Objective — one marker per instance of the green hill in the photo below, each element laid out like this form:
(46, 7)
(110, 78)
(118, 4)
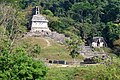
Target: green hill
(50, 49)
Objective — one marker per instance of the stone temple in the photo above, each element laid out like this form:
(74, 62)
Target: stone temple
(39, 28)
(39, 22)
(98, 42)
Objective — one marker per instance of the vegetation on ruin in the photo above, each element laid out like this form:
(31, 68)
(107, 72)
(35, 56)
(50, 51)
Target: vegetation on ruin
(78, 19)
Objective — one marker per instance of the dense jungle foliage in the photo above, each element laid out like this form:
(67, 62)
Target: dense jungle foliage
(77, 19)
(18, 66)
(82, 18)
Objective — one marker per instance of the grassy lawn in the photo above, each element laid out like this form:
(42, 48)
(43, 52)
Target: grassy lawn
(71, 73)
(96, 72)
(60, 74)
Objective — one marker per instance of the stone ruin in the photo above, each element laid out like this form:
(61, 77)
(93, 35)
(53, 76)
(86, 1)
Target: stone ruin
(53, 35)
(57, 37)
(39, 28)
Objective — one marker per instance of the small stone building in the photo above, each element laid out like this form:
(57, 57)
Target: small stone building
(39, 22)
(98, 42)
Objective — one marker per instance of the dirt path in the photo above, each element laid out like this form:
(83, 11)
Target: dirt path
(74, 65)
(48, 42)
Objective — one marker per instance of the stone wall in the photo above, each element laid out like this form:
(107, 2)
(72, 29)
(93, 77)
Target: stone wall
(53, 35)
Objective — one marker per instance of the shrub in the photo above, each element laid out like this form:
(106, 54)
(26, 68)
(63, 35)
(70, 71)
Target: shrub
(20, 67)
(37, 49)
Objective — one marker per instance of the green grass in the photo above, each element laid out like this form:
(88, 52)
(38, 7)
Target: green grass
(97, 72)
(60, 74)
(54, 51)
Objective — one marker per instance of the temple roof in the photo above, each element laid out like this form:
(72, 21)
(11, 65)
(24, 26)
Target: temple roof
(97, 38)
(39, 17)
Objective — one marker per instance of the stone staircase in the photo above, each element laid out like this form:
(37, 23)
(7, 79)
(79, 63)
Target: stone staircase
(87, 52)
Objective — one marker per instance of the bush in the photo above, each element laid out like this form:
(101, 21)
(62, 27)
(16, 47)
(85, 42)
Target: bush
(37, 49)
(20, 67)
(108, 71)
(48, 12)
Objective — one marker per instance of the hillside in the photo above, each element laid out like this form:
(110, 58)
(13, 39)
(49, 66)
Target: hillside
(82, 18)
(50, 49)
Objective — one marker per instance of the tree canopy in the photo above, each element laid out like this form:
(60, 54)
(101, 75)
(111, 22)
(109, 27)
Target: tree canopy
(19, 66)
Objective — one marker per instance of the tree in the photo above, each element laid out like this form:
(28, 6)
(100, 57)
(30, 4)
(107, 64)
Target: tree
(73, 46)
(36, 49)
(19, 66)
(116, 47)
(74, 54)
(111, 33)
(111, 11)
(13, 22)
(48, 12)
